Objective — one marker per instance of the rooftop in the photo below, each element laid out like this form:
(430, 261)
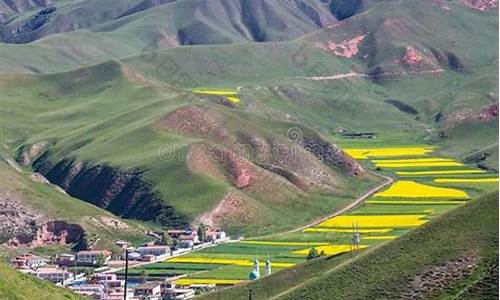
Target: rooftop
(147, 285)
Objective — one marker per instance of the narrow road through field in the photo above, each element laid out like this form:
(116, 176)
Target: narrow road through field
(388, 180)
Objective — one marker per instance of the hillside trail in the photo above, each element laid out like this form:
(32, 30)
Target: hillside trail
(388, 180)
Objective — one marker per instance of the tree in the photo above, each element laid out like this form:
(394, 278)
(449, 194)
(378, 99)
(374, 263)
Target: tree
(101, 260)
(313, 253)
(144, 275)
(167, 239)
(202, 232)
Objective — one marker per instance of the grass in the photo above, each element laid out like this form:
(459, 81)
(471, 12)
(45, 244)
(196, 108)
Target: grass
(17, 286)
(91, 102)
(386, 270)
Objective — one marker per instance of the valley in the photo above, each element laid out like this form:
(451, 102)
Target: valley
(246, 142)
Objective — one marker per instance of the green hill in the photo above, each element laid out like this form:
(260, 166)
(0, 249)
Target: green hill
(452, 257)
(17, 286)
(43, 219)
(127, 141)
(122, 118)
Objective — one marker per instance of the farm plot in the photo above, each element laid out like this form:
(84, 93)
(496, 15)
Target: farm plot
(405, 205)
(366, 153)
(412, 189)
(230, 95)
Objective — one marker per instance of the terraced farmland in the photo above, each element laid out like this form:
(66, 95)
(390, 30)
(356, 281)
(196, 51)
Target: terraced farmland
(407, 204)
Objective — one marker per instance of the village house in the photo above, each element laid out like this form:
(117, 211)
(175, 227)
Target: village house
(169, 290)
(158, 250)
(66, 259)
(176, 233)
(54, 275)
(91, 258)
(122, 244)
(102, 277)
(215, 235)
(188, 241)
(95, 291)
(149, 290)
(28, 262)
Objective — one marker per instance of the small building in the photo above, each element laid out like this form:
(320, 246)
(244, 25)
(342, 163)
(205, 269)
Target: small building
(95, 291)
(102, 277)
(66, 260)
(158, 250)
(113, 284)
(148, 258)
(169, 290)
(28, 262)
(255, 274)
(152, 290)
(54, 275)
(134, 256)
(176, 233)
(214, 235)
(122, 244)
(188, 241)
(91, 258)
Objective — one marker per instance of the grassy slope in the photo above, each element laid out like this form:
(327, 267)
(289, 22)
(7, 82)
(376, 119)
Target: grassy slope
(54, 205)
(135, 26)
(106, 95)
(112, 122)
(17, 286)
(384, 272)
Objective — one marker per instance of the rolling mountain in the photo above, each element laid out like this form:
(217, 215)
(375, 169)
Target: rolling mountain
(103, 101)
(175, 21)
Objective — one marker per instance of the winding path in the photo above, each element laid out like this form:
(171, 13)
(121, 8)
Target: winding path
(388, 180)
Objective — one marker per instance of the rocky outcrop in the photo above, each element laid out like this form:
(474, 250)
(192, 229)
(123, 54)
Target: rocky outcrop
(52, 233)
(125, 193)
(331, 155)
(17, 219)
(347, 48)
(28, 153)
(430, 283)
(417, 60)
(194, 120)
(470, 116)
(22, 226)
(481, 5)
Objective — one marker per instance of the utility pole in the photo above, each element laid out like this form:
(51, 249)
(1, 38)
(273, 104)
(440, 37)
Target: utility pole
(126, 275)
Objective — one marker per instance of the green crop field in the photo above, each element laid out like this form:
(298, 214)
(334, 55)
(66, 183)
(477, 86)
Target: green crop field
(473, 227)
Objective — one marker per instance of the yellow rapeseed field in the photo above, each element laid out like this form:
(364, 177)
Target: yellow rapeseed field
(365, 153)
(230, 94)
(375, 221)
(315, 229)
(412, 160)
(233, 99)
(282, 243)
(223, 261)
(190, 281)
(329, 249)
(465, 180)
(419, 164)
(412, 189)
(220, 92)
(415, 202)
(439, 172)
